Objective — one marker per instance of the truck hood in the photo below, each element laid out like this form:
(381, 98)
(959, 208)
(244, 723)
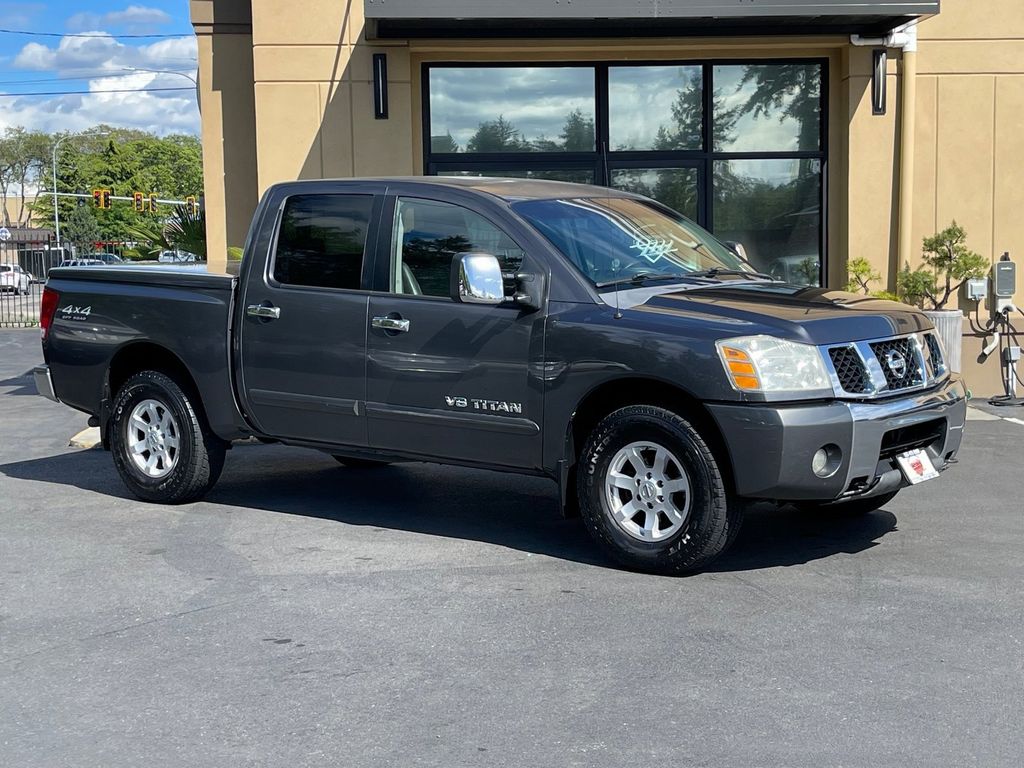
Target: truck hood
(799, 313)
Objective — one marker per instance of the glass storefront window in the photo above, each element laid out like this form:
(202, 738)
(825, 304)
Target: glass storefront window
(659, 108)
(735, 146)
(772, 207)
(512, 109)
(767, 107)
(675, 187)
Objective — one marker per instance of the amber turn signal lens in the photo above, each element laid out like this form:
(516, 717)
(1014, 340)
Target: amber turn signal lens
(741, 368)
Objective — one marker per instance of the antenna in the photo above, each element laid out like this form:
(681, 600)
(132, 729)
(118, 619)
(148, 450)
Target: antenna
(615, 277)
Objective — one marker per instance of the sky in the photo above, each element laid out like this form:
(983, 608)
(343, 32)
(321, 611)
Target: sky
(101, 59)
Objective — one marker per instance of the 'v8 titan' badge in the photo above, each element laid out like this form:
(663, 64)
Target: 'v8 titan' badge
(496, 406)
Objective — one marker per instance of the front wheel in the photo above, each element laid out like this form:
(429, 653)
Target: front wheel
(651, 492)
(161, 445)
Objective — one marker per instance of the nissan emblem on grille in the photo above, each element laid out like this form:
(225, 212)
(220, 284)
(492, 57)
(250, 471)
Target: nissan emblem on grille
(897, 363)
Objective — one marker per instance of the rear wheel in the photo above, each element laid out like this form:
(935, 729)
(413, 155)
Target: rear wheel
(161, 445)
(351, 463)
(651, 492)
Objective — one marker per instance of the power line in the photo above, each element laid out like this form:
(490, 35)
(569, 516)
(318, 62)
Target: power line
(90, 35)
(86, 93)
(91, 76)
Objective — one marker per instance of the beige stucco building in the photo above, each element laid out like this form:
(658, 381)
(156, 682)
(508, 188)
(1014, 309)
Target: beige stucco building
(771, 128)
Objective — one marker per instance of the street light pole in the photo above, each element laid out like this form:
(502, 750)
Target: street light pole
(56, 146)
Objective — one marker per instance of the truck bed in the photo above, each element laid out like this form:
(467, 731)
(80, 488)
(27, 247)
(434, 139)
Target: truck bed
(105, 314)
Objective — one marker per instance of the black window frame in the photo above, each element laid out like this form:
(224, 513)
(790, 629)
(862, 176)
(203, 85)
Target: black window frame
(602, 161)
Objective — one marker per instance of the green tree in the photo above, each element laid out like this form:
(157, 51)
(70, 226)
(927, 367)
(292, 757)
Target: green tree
(948, 264)
(497, 136)
(861, 275)
(81, 229)
(788, 90)
(443, 144)
(24, 156)
(124, 161)
(578, 132)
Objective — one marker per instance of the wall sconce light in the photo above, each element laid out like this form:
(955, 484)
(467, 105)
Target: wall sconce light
(878, 78)
(380, 86)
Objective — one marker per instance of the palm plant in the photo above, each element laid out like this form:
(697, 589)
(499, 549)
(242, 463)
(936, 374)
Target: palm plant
(184, 231)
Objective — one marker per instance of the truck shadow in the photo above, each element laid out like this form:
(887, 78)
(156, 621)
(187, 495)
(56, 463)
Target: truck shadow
(502, 509)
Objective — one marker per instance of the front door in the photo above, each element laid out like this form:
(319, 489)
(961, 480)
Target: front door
(443, 378)
(303, 323)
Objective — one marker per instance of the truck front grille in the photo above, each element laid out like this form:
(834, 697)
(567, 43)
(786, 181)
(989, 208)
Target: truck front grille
(901, 362)
(853, 376)
(880, 367)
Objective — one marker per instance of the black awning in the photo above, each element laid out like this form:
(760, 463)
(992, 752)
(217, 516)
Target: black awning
(405, 19)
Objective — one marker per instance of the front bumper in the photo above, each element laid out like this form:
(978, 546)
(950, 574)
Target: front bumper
(44, 382)
(771, 446)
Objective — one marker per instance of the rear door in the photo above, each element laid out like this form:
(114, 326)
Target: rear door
(302, 331)
(448, 379)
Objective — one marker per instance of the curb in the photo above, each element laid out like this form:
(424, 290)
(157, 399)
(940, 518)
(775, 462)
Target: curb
(87, 438)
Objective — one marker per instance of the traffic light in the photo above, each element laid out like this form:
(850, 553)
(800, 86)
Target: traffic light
(97, 198)
(138, 202)
(152, 202)
(190, 204)
(104, 198)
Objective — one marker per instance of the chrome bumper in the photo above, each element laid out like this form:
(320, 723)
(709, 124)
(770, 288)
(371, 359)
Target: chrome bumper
(44, 383)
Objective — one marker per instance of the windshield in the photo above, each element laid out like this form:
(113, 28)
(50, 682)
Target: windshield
(611, 239)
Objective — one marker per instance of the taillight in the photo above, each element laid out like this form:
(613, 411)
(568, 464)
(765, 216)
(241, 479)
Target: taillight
(47, 309)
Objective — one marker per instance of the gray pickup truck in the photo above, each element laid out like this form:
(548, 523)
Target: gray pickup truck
(587, 335)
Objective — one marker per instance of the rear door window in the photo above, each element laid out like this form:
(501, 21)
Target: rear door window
(321, 241)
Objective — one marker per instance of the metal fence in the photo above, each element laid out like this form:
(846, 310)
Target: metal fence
(19, 304)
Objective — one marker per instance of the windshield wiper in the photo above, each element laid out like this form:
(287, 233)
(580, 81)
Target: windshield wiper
(642, 277)
(716, 271)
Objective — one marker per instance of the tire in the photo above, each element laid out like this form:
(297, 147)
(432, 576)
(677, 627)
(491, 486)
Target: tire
(188, 456)
(853, 508)
(670, 533)
(352, 463)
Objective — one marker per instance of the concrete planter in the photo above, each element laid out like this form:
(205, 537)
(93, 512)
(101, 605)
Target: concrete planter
(949, 325)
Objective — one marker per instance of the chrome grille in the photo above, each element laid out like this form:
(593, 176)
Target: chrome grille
(936, 362)
(853, 376)
(880, 367)
(901, 362)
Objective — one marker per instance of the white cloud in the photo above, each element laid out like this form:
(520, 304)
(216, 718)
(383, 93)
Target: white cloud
(86, 55)
(136, 19)
(105, 64)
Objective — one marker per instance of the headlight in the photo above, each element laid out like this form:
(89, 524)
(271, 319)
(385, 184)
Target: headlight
(768, 364)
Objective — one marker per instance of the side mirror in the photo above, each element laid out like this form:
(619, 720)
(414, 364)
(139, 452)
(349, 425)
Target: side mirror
(476, 279)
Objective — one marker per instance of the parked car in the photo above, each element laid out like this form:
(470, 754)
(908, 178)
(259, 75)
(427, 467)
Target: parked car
(580, 333)
(14, 278)
(176, 257)
(106, 258)
(83, 262)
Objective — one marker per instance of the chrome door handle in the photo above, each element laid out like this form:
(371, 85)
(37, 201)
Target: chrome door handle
(260, 310)
(390, 324)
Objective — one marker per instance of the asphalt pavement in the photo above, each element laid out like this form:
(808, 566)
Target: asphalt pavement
(416, 615)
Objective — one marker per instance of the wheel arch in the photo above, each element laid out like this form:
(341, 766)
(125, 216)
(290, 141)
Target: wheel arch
(145, 356)
(639, 390)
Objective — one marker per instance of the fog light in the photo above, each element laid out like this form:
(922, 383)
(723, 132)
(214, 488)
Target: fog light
(826, 460)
